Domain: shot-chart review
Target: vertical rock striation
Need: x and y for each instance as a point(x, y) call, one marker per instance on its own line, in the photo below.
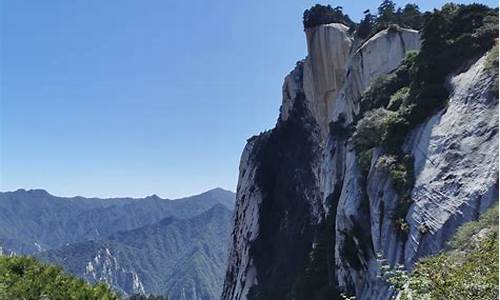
point(301, 193)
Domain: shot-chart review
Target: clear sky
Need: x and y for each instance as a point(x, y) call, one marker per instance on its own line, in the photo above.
point(130, 98)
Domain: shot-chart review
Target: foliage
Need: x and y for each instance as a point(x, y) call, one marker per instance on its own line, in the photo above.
point(386, 15)
point(452, 37)
point(325, 14)
point(396, 276)
point(381, 127)
point(142, 242)
point(371, 129)
point(492, 60)
point(396, 103)
point(389, 17)
point(410, 16)
point(365, 27)
point(462, 238)
point(398, 98)
point(364, 160)
point(400, 170)
point(23, 277)
point(468, 271)
point(491, 66)
point(380, 91)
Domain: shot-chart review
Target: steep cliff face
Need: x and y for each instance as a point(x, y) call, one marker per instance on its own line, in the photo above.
point(456, 170)
point(307, 216)
point(105, 267)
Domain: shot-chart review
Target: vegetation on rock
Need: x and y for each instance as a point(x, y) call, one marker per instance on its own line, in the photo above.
point(491, 66)
point(452, 37)
point(23, 277)
point(325, 14)
point(388, 16)
point(469, 270)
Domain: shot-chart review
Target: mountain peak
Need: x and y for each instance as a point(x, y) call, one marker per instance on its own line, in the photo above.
point(153, 197)
point(219, 190)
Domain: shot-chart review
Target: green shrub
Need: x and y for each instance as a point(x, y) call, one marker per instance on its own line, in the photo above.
point(24, 278)
point(491, 66)
point(400, 170)
point(364, 160)
point(398, 98)
point(386, 15)
point(365, 27)
point(386, 162)
point(370, 130)
point(395, 126)
point(470, 271)
point(381, 127)
point(452, 37)
point(462, 237)
point(380, 91)
point(491, 63)
point(410, 16)
point(389, 17)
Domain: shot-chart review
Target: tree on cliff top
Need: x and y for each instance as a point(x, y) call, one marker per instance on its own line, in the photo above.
point(325, 14)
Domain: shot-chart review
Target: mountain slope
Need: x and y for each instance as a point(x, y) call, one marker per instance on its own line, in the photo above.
point(467, 270)
point(184, 258)
point(148, 245)
point(33, 221)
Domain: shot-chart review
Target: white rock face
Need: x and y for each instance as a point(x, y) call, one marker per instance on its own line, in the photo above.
point(241, 273)
point(455, 152)
point(378, 56)
point(291, 86)
point(104, 267)
point(456, 169)
point(456, 163)
point(328, 49)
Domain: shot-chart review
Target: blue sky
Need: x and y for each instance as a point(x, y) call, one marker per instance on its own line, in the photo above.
point(131, 98)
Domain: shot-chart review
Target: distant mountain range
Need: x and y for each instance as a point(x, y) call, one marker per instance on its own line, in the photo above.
point(148, 245)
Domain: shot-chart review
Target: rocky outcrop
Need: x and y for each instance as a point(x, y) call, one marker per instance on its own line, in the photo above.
point(456, 169)
point(324, 69)
point(301, 193)
point(241, 271)
point(456, 163)
point(378, 56)
point(104, 267)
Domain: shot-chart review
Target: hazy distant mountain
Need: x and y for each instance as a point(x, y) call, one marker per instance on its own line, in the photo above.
point(150, 245)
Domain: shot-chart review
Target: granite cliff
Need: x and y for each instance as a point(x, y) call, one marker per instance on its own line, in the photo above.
point(313, 213)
